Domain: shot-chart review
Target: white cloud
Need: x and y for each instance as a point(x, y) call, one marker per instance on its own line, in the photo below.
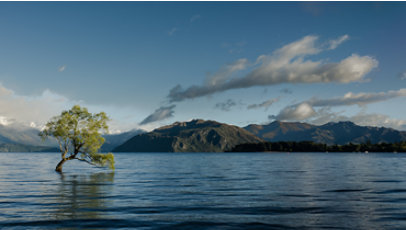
point(285, 65)
point(159, 114)
point(35, 110)
point(302, 111)
point(62, 68)
point(335, 43)
point(266, 104)
point(4, 121)
point(325, 115)
point(305, 111)
point(360, 99)
point(27, 109)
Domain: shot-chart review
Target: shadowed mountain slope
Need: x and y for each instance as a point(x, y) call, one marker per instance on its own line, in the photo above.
point(193, 136)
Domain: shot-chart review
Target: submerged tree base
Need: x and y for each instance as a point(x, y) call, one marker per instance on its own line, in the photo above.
point(59, 166)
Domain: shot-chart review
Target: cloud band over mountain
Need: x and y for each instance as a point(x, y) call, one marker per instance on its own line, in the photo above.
point(285, 65)
point(307, 109)
point(161, 113)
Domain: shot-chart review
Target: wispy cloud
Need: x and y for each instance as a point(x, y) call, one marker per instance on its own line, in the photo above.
point(161, 113)
point(172, 31)
point(336, 42)
point(266, 104)
point(359, 99)
point(226, 106)
point(195, 18)
point(285, 65)
point(222, 75)
point(62, 68)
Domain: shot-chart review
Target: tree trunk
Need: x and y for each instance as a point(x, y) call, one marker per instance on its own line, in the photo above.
point(59, 166)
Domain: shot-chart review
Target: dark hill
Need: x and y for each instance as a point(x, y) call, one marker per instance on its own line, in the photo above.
point(193, 136)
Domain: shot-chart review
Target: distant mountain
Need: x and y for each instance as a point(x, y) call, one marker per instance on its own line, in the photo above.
point(193, 136)
point(281, 131)
point(26, 148)
point(21, 135)
point(330, 133)
point(14, 138)
point(114, 140)
point(209, 136)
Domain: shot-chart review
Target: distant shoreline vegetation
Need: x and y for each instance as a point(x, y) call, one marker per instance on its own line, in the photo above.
point(309, 146)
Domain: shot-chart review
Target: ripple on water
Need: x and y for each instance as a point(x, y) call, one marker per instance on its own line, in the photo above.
point(206, 191)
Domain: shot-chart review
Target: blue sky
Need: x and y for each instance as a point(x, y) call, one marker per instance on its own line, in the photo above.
point(152, 63)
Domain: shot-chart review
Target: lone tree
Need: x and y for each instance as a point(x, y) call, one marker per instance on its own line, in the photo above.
point(78, 134)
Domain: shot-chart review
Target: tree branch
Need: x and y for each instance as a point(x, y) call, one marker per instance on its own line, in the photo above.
point(89, 162)
point(61, 148)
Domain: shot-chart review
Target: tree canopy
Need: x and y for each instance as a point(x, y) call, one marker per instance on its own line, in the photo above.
point(78, 133)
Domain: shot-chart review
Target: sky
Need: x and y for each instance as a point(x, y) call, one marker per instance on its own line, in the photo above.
point(148, 64)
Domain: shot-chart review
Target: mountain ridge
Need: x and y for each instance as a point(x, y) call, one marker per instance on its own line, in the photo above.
point(22, 138)
point(211, 136)
point(342, 132)
point(192, 136)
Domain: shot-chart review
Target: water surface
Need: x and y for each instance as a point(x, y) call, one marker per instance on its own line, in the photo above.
point(205, 191)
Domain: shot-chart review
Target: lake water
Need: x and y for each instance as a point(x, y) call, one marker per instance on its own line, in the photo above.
point(205, 191)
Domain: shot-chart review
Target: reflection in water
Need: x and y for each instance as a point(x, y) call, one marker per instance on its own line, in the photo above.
point(84, 196)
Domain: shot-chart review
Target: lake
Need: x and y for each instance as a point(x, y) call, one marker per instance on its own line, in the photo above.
point(205, 191)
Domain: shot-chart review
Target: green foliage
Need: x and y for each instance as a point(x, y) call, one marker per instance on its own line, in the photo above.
point(78, 131)
point(102, 159)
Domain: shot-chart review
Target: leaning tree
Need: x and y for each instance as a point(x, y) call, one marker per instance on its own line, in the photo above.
point(78, 133)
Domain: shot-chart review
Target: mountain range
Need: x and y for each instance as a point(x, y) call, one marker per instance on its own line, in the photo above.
point(192, 136)
point(209, 136)
point(15, 138)
point(212, 136)
point(331, 133)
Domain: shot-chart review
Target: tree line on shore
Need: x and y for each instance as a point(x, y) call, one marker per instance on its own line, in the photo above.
point(309, 146)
